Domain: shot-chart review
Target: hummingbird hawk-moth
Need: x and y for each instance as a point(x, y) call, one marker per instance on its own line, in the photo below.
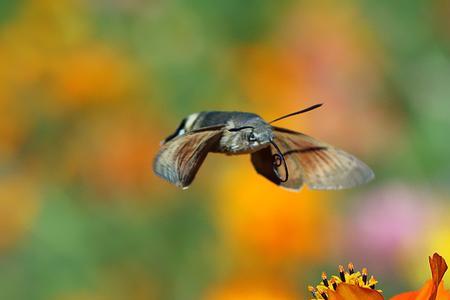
point(285, 157)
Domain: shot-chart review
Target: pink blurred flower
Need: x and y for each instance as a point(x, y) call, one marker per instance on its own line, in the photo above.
point(386, 221)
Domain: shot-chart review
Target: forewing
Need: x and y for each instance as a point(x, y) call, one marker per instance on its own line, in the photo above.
point(322, 166)
point(180, 158)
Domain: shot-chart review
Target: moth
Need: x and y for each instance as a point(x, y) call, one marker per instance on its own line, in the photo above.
point(285, 157)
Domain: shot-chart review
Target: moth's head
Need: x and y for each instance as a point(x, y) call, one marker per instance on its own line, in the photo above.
point(251, 136)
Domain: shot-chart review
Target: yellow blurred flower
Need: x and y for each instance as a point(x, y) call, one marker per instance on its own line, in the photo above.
point(436, 236)
point(35, 39)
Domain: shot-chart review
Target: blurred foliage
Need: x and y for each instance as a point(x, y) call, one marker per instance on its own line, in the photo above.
point(89, 88)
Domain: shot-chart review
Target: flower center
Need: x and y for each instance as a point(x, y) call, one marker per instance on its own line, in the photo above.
point(351, 277)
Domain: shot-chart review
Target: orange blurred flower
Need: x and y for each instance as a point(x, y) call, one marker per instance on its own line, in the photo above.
point(14, 127)
point(271, 80)
point(111, 153)
point(50, 64)
point(251, 291)
point(434, 288)
point(48, 51)
point(268, 223)
point(94, 74)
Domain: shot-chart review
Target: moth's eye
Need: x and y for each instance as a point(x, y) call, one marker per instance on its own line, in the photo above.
point(251, 137)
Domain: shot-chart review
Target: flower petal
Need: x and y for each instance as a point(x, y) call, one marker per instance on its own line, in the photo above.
point(438, 267)
point(352, 292)
point(406, 296)
point(430, 290)
point(442, 293)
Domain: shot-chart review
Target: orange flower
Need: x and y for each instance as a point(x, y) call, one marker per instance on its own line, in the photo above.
point(434, 288)
point(350, 292)
point(348, 285)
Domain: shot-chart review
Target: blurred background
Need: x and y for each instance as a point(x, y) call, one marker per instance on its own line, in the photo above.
point(88, 89)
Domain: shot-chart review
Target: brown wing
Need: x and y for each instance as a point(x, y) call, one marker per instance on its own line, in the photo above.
point(179, 159)
point(319, 165)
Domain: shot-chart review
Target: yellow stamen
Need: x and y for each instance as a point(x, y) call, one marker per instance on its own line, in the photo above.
point(351, 268)
point(313, 291)
point(324, 295)
point(342, 273)
point(351, 277)
point(324, 279)
point(364, 275)
point(333, 283)
point(372, 282)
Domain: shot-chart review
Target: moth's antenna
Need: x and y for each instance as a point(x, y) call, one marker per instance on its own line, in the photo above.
point(278, 158)
point(297, 112)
